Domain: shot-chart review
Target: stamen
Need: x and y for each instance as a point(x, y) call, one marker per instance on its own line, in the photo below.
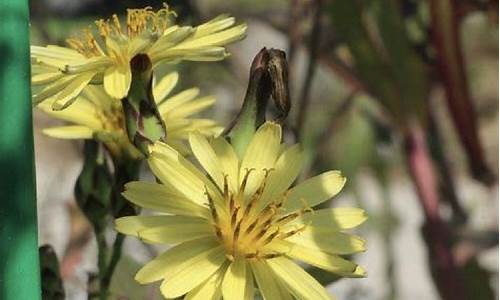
point(236, 233)
point(234, 216)
point(271, 236)
point(252, 226)
point(231, 203)
point(211, 205)
point(271, 255)
point(288, 234)
point(226, 187)
point(288, 217)
point(218, 231)
point(245, 179)
point(261, 233)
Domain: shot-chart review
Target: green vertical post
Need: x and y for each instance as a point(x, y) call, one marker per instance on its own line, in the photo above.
point(19, 266)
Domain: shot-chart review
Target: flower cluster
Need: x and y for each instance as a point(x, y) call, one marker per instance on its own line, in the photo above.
point(236, 224)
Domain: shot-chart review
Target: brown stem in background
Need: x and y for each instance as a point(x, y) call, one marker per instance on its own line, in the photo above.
point(445, 29)
point(436, 234)
point(294, 35)
point(446, 185)
point(314, 39)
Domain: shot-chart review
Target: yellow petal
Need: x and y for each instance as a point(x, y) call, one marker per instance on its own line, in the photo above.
point(82, 112)
point(193, 107)
point(228, 160)
point(234, 283)
point(163, 88)
point(335, 218)
point(161, 198)
point(177, 100)
point(315, 190)
point(138, 44)
point(93, 64)
point(69, 132)
point(171, 37)
point(218, 23)
point(71, 91)
point(260, 154)
point(323, 260)
point(181, 128)
point(298, 282)
point(329, 240)
point(269, 286)
point(192, 271)
point(211, 53)
point(249, 286)
point(210, 289)
point(173, 169)
point(45, 78)
point(207, 157)
point(286, 170)
point(135, 225)
point(57, 52)
point(98, 96)
point(177, 232)
point(215, 39)
point(52, 89)
point(117, 81)
point(174, 259)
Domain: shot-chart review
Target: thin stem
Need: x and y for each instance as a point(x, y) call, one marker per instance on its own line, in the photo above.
point(115, 257)
point(446, 185)
point(101, 260)
point(294, 35)
point(314, 39)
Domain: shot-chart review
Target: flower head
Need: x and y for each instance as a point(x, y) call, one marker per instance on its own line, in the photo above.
point(241, 222)
point(104, 55)
point(97, 115)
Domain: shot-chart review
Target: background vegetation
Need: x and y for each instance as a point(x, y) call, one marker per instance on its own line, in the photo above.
point(401, 95)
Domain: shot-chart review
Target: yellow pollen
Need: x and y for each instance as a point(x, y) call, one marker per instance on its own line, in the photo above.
point(245, 227)
point(139, 21)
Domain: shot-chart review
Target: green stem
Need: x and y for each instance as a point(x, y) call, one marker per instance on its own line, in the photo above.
point(115, 257)
point(101, 260)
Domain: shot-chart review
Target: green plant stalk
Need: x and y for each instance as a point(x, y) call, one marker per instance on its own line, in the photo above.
point(19, 260)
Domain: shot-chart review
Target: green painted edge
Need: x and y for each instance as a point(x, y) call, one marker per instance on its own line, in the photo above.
point(19, 263)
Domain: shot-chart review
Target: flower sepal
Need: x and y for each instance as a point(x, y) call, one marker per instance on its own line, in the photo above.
point(142, 118)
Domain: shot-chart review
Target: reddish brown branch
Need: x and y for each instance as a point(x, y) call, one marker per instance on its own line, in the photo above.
point(445, 28)
point(436, 233)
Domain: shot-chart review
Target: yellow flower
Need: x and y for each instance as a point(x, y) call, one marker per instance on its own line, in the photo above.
point(62, 72)
point(96, 115)
point(241, 223)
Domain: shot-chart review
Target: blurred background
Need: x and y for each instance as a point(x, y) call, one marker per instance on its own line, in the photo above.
point(401, 95)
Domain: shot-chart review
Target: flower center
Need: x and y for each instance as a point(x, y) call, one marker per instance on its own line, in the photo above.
point(139, 21)
point(245, 228)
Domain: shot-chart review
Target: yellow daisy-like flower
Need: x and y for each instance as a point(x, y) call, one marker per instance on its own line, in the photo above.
point(97, 115)
point(242, 224)
point(63, 72)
